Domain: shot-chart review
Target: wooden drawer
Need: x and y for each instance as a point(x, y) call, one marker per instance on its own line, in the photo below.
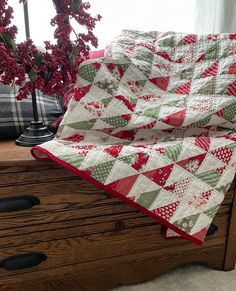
point(90, 240)
point(60, 194)
point(62, 210)
point(60, 201)
point(37, 173)
point(104, 274)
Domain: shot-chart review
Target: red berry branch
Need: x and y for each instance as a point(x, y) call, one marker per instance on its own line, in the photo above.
point(53, 70)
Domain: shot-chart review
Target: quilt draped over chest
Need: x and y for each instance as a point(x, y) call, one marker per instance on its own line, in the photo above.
point(153, 123)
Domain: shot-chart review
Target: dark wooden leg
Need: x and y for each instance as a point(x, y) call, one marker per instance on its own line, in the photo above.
point(230, 255)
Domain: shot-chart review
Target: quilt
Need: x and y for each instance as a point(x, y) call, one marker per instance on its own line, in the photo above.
point(153, 123)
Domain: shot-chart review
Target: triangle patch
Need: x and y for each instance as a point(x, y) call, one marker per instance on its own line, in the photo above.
point(147, 199)
point(203, 142)
point(175, 119)
point(224, 154)
point(192, 164)
point(123, 186)
point(211, 71)
point(161, 82)
point(184, 88)
point(161, 175)
point(167, 211)
point(179, 188)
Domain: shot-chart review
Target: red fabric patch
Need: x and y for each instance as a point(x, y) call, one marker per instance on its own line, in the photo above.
point(224, 154)
point(166, 211)
point(160, 175)
point(232, 36)
point(191, 38)
point(231, 69)
point(184, 163)
point(203, 142)
point(201, 58)
point(212, 70)
point(125, 134)
point(231, 90)
point(126, 116)
point(114, 151)
point(161, 82)
point(97, 65)
point(81, 92)
point(142, 159)
point(165, 56)
point(184, 89)
point(200, 234)
point(123, 186)
point(175, 119)
point(126, 101)
point(220, 112)
point(149, 126)
point(75, 138)
point(96, 54)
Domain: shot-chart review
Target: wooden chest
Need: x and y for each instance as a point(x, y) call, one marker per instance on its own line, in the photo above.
point(58, 232)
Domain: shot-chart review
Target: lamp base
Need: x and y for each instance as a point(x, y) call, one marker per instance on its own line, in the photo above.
point(34, 135)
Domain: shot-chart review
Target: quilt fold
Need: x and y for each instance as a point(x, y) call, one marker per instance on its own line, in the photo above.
point(153, 123)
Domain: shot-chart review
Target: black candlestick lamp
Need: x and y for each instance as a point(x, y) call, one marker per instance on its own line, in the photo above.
point(36, 133)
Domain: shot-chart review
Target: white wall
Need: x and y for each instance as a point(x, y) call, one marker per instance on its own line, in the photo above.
point(162, 15)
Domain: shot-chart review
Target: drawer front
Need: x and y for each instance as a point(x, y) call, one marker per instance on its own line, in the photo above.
point(57, 201)
point(105, 274)
point(115, 236)
point(87, 226)
point(38, 173)
point(51, 195)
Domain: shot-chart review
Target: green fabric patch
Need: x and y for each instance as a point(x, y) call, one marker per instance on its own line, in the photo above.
point(72, 159)
point(213, 52)
point(173, 152)
point(146, 199)
point(101, 172)
point(187, 223)
point(152, 112)
point(88, 73)
point(202, 122)
point(230, 111)
point(117, 121)
point(128, 159)
point(83, 124)
point(168, 42)
point(211, 212)
point(145, 57)
point(210, 177)
point(106, 101)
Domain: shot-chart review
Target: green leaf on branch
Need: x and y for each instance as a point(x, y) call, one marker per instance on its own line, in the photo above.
point(75, 5)
point(8, 41)
point(38, 59)
point(33, 76)
point(46, 77)
point(73, 55)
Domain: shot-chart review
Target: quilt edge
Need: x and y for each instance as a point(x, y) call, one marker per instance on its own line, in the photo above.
point(89, 179)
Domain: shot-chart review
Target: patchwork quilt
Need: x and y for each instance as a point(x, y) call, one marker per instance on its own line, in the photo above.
point(153, 123)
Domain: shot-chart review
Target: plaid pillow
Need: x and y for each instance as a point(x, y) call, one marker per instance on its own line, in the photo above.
point(15, 115)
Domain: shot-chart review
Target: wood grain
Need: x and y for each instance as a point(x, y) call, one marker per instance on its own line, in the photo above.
point(93, 241)
point(97, 225)
point(230, 256)
point(76, 199)
point(107, 273)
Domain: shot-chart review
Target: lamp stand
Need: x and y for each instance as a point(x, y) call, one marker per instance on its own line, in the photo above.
point(36, 133)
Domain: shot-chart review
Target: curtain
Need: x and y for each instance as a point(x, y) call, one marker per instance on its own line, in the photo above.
point(214, 16)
